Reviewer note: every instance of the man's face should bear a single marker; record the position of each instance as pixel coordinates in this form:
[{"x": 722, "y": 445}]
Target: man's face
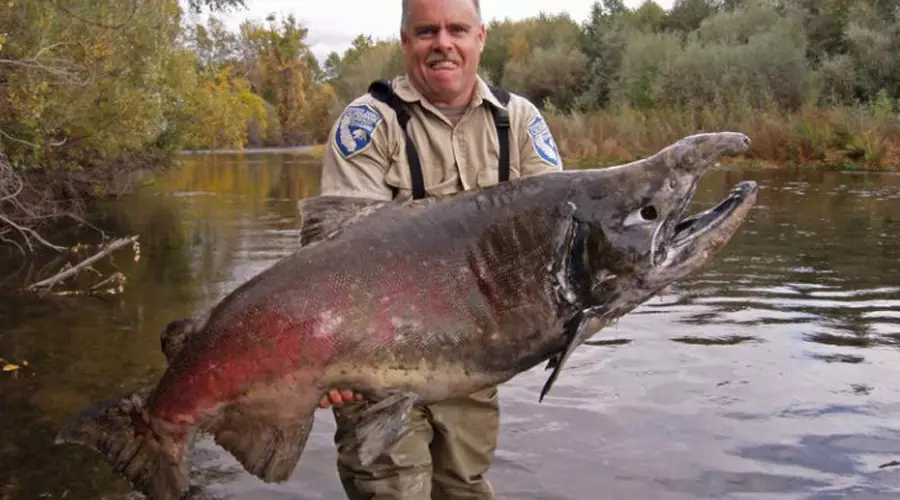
[{"x": 442, "y": 42}]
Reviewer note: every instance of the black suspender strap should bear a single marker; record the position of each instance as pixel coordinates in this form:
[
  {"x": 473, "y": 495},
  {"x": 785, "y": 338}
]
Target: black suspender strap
[
  {"x": 381, "y": 90},
  {"x": 501, "y": 122},
  {"x": 415, "y": 169}
]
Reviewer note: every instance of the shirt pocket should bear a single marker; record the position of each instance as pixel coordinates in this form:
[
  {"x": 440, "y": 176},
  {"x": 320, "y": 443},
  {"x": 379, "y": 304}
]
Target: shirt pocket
[{"x": 489, "y": 174}]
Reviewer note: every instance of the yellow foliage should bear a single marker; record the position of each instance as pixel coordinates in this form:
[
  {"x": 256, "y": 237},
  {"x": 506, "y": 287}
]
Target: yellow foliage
[
  {"x": 280, "y": 72},
  {"x": 318, "y": 110},
  {"x": 518, "y": 47},
  {"x": 220, "y": 111}
]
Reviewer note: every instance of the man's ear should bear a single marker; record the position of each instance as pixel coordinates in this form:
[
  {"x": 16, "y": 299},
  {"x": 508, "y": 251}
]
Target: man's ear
[{"x": 482, "y": 37}]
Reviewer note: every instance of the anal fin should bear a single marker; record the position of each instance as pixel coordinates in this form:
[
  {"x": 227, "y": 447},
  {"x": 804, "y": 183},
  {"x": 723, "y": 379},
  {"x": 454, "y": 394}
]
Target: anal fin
[
  {"x": 381, "y": 424},
  {"x": 268, "y": 447}
]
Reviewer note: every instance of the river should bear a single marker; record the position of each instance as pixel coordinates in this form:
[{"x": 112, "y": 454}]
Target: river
[{"x": 773, "y": 374}]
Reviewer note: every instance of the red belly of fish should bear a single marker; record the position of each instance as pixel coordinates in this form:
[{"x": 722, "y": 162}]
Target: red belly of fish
[{"x": 268, "y": 348}]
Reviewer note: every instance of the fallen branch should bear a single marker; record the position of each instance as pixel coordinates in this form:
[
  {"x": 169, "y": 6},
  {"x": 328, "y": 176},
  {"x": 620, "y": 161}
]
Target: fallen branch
[
  {"x": 74, "y": 270},
  {"x": 26, "y": 231},
  {"x": 27, "y": 205}
]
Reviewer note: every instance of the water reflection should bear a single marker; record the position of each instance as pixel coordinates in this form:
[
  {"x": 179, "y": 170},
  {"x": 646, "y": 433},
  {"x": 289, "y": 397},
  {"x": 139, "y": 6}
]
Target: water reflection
[{"x": 771, "y": 374}]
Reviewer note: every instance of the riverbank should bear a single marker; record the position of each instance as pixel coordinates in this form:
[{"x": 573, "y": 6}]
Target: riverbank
[
  {"x": 837, "y": 138},
  {"x": 841, "y": 138},
  {"x": 844, "y": 138},
  {"x": 313, "y": 150}
]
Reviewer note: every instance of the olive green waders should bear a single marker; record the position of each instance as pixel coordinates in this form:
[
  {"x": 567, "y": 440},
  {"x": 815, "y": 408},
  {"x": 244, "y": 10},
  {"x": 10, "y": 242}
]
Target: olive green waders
[{"x": 441, "y": 455}]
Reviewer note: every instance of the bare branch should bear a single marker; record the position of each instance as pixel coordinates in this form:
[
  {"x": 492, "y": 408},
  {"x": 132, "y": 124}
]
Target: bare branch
[
  {"x": 33, "y": 63},
  {"x": 30, "y": 144},
  {"x": 4, "y": 239},
  {"x": 17, "y": 216},
  {"x": 27, "y": 231},
  {"x": 134, "y": 7},
  {"x": 62, "y": 68},
  {"x": 20, "y": 186},
  {"x": 112, "y": 247}
]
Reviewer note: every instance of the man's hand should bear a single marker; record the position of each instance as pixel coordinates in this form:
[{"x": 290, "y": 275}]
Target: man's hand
[{"x": 338, "y": 398}]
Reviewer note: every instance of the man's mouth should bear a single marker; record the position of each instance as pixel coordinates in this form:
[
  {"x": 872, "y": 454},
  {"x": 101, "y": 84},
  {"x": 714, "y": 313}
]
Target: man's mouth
[{"x": 443, "y": 65}]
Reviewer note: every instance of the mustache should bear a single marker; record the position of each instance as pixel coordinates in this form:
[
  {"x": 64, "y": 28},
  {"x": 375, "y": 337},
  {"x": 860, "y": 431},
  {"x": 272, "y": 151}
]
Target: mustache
[{"x": 439, "y": 57}]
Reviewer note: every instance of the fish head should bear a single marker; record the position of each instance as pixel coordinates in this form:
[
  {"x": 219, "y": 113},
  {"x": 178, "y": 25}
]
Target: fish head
[{"x": 646, "y": 241}]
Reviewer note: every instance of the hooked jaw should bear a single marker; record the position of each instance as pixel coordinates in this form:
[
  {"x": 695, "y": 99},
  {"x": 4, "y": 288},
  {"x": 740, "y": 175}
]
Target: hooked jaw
[
  {"x": 696, "y": 239},
  {"x": 689, "y": 159}
]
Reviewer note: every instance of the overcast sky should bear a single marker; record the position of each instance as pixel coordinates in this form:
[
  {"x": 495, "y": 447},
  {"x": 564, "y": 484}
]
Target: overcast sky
[{"x": 333, "y": 24}]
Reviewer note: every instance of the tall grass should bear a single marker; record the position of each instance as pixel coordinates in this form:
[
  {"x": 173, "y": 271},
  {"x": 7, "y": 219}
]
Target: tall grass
[
  {"x": 840, "y": 137},
  {"x": 747, "y": 70}
]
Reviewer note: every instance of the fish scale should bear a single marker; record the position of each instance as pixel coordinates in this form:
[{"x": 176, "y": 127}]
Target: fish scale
[{"x": 412, "y": 303}]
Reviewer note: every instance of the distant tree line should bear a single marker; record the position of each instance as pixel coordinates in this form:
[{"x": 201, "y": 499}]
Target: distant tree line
[{"x": 757, "y": 53}]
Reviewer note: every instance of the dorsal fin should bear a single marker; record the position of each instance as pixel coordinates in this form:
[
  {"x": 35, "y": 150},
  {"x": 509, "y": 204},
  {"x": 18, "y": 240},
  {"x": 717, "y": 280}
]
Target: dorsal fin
[
  {"x": 324, "y": 216},
  {"x": 176, "y": 333}
]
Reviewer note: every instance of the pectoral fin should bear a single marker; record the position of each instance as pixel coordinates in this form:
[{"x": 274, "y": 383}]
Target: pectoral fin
[
  {"x": 322, "y": 217},
  {"x": 577, "y": 330},
  {"x": 381, "y": 424}
]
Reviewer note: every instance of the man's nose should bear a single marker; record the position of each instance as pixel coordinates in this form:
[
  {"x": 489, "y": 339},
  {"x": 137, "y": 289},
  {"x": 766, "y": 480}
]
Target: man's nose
[{"x": 444, "y": 41}]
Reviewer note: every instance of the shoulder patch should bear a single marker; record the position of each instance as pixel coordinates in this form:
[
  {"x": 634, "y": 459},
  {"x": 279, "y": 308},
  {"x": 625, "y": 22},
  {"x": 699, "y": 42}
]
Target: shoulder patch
[
  {"x": 543, "y": 141},
  {"x": 355, "y": 127}
]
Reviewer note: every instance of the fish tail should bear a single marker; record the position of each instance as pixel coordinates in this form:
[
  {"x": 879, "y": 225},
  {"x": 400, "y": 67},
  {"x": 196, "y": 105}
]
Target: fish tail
[{"x": 117, "y": 429}]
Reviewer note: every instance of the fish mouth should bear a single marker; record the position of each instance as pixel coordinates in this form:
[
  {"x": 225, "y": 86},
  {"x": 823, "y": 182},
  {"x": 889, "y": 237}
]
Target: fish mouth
[
  {"x": 695, "y": 225},
  {"x": 703, "y": 233}
]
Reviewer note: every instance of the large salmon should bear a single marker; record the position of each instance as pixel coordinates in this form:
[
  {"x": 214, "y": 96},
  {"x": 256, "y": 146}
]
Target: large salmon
[{"x": 414, "y": 303}]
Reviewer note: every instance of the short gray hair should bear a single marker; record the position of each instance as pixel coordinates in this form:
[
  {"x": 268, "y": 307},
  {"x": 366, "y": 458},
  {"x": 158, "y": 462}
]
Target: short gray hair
[{"x": 404, "y": 15}]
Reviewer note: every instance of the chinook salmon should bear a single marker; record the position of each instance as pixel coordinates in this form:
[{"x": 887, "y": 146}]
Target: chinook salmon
[{"x": 413, "y": 303}]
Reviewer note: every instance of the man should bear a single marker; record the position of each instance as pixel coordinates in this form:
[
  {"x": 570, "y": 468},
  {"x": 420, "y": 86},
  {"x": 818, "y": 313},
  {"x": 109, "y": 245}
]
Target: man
[{"x": 447, "y": 448}]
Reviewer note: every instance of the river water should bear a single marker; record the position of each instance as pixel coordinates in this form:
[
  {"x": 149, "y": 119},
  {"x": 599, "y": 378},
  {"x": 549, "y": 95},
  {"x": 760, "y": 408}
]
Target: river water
[{"x": 773, "y": 374}]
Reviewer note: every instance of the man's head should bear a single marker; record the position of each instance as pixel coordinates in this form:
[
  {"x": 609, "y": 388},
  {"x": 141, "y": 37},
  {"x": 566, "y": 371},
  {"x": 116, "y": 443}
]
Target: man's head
[{"x": 442, "y": 41}]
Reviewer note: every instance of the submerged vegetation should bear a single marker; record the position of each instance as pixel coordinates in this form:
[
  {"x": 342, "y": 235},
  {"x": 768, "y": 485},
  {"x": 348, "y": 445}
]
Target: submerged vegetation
[{"x": 95, "y": 92}]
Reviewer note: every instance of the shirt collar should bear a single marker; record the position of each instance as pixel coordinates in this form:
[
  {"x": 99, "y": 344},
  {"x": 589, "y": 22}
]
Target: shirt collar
[{"x": 405, "y": 90}]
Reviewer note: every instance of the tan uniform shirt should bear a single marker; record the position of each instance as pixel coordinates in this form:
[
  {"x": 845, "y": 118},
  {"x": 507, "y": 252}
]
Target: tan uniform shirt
[{"x": 366, "y": 153}]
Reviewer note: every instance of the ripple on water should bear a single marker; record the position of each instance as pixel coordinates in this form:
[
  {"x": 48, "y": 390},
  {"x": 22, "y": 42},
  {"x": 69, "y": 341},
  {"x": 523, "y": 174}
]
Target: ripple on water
[{"x": 771, "y": 374}]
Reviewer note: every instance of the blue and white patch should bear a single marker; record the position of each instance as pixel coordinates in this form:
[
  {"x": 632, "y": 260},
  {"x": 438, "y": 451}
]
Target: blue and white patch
[
  {"x": 543, "y": 141},
  {"x": 354, "y": 130}
]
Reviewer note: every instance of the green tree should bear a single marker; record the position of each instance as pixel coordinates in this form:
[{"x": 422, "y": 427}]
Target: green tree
[
  {"x": 686, "y": 15},
  {"x": 548, "y": 75},
  {"x": 650, "y": 16},
  {"x": 91, "y": 91},
  {"x": 276, "y": 56},
  {"x": 603, "y": 41}
]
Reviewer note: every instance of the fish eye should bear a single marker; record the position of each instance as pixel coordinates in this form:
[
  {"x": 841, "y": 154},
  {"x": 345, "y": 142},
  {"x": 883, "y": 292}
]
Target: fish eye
[
  {"x": 641, "y": 217},
  {"x": 649, "y": 213}
]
